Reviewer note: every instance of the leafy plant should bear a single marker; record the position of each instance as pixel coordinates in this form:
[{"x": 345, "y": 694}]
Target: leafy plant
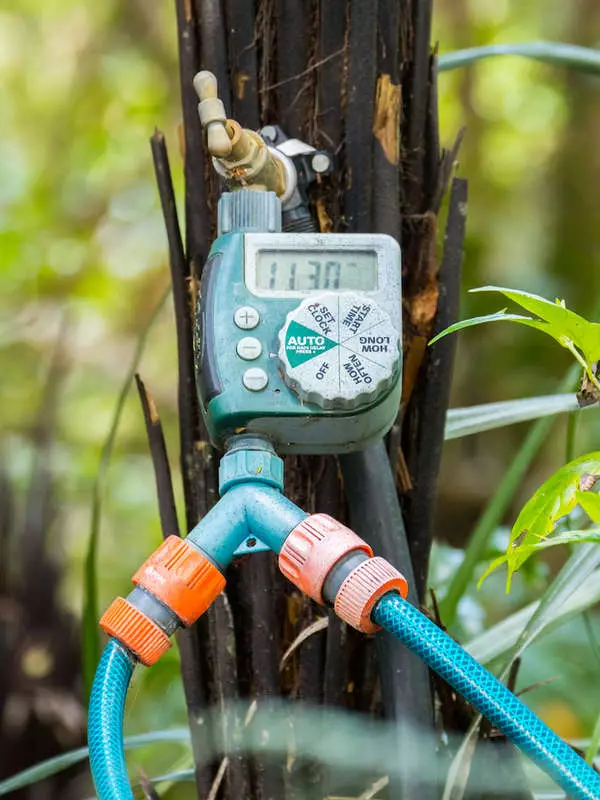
[
  {"x": 540, "y": 516},
  {"x": 576, "y": 334},
  {"x": 498, "y": 507}
]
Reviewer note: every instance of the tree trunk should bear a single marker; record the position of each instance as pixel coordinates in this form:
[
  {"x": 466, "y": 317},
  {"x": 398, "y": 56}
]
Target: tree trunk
[{"x": 357, "y": 79}]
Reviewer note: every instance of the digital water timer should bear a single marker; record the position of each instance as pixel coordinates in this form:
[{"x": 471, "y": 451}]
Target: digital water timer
[{"x": 298, "y": 334}]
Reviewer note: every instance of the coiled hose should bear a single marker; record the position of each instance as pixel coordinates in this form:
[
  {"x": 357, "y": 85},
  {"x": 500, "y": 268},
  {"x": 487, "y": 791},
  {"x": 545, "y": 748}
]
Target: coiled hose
[
  {"x": 105, "y": 723},
  {"x": 490, "y": 697}
]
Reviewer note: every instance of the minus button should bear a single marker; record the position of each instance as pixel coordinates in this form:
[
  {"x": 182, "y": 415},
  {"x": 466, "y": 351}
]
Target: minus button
[{"x": 249, "y": 348}]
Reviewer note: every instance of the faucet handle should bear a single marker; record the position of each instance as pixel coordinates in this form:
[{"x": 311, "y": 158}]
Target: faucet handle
[{"x": 212, "y": 114}]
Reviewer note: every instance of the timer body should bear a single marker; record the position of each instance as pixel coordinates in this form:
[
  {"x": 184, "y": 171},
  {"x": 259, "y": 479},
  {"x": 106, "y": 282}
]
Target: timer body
[{"x": 298, "y": 339}]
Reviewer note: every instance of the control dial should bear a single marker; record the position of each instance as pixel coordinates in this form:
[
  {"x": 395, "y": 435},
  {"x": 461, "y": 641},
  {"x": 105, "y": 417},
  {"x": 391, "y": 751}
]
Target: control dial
[{"x": 339, "y": 351}]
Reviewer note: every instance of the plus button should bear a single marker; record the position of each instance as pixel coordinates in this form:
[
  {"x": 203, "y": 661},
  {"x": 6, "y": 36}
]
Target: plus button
[{"x": 246, "y": 317}]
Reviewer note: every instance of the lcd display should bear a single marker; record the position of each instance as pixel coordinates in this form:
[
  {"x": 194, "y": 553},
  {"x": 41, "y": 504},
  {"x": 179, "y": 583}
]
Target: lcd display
[{"x": 298, "y": 271}]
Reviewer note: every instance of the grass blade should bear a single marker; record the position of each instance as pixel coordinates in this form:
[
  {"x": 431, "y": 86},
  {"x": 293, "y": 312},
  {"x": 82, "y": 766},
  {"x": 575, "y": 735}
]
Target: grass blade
[
  {"x": 578, "y": 568},
  {"x": 590, "y": 753},
  {"x": 497, "y": 507},
  {"x": 90, "y": 633},
  {"x": 502, "y": 638},
  {"x": 583, "y": 59},
  {"x": 179, "y": 776},
  {"x": 52, "y": 766},
  {"x": 485, "y": 417}
]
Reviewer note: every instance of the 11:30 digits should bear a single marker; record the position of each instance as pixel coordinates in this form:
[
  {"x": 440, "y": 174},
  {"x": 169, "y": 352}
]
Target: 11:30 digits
[{"x": 318, "y": 276}]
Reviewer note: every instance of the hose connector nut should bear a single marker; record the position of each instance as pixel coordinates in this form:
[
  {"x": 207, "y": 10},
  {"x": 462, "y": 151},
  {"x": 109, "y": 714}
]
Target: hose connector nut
[
  {"x": 137, "y": 632},
  {"x": 181, "y": 578},
  {"x": 313, "y": 548},
  {"x": 362, "y": 588}
]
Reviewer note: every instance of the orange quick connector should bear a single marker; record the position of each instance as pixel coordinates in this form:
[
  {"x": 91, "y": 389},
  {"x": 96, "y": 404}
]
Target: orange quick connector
[
  {"x": 182, "y": 578},
  {"x": 313, "y": 548},
  {"x": 363, "y": 587},
  {"x": 135, "y": 631}
]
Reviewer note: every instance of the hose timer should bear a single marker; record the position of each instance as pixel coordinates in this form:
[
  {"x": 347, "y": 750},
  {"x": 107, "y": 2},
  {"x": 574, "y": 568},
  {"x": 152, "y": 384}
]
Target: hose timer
[{"x": 297, "y": 333}]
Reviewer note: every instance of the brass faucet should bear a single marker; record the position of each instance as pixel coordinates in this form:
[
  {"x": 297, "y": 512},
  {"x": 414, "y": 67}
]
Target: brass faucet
[{"x": 239, "y": 155}]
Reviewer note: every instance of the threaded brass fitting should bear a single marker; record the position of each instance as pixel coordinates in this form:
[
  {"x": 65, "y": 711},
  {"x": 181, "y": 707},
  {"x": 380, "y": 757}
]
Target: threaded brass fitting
[{"x": 239, "y": 155}]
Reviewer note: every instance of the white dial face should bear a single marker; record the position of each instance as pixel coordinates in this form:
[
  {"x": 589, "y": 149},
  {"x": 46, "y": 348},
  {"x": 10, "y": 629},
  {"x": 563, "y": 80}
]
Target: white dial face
[{"x": 339, "y": 350}]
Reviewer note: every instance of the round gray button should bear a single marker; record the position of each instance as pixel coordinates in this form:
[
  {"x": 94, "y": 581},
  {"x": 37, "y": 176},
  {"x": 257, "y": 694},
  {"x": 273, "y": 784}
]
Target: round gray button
[
  {"x": 320, "y": 162},
  {"x": 246, "y": 317},
  {"x": 255, "y": 379},
  {"x": 249, "y": 348}
]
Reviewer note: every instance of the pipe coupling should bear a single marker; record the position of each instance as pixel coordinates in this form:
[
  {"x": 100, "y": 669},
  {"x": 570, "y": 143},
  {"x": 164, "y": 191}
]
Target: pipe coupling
[
  {"x": 363, "y": 587},
  {"x": 313, "y": 548},
  {"x": 137, "y": 632},
  {"x": 174, "y": 587},
  {"x": 330, "y": 563}
]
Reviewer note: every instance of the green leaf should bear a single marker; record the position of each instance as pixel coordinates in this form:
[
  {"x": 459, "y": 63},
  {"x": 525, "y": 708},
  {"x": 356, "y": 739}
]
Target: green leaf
[
  {"x": 90, "y": 631},
  {"x": 576, "y": 334},
  {"x": 499, "y": 316},
  {"x": 563, "y": 323},
  {"x": 583, "y": 59},
  {"x": 556, "y": 498},
  {"x": 526, "y": 551},
  {"x": 569, "y": 537},
  {"x": 590, "y": 502}
]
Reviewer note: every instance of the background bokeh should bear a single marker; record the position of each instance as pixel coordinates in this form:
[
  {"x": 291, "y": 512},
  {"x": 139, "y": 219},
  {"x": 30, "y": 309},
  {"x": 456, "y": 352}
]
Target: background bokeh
[{"x": 83, "y": 265}]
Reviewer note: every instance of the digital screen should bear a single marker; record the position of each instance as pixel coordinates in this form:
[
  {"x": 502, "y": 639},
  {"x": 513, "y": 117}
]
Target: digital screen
[{"x": 303, "y": 271}]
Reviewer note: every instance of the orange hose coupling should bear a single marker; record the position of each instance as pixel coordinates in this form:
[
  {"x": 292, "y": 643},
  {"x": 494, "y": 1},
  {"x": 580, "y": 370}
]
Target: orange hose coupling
[
  {"x": 363, "y": 587},
  {"x": 178, "y": 576},
  {"x": 312, "y": 548},
  {"x": 135, "y": 630},
  {"x": 181, "y": 578}
]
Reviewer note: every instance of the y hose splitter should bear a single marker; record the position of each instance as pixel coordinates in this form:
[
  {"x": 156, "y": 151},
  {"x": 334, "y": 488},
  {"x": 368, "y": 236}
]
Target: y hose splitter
[{"x": 182, "y": 578}]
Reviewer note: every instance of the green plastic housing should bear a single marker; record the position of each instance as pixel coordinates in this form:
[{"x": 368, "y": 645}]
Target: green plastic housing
[{"x": 275, "y": 412}]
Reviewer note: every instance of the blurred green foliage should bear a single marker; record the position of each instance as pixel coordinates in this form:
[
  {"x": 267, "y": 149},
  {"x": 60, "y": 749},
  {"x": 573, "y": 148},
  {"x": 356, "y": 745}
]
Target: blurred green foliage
[{"x": 82, "y": 240}]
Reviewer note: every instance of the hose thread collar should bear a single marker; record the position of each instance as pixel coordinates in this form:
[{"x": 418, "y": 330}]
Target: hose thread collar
[
  {"x": 135, "y": 631},
  {"x": 363, "y": 587},
  {"x": 313, "y": 548}
]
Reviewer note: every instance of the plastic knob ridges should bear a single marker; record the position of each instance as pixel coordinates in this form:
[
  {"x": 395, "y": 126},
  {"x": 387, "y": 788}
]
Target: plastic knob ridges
[
  {"x": 137, "y": 632},
  {"x": 181, "y": 578},
  {"x": 362, "y": 588}
]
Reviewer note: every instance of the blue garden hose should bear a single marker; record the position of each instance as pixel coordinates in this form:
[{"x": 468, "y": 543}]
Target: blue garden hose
[
  {"x": 490, "y": 697},
  {"x": 415, "y": 631},
  {"x": 105, "y": 723}
]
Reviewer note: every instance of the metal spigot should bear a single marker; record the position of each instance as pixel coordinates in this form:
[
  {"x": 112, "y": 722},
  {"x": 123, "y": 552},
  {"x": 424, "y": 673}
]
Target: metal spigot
[
  {"x": 212, "y": 114},
  {"x": 239, "y": 155}
]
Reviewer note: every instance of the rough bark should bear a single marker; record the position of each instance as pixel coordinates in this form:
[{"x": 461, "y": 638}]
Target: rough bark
[{"x": 358, "y": 79}]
